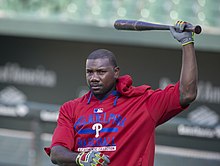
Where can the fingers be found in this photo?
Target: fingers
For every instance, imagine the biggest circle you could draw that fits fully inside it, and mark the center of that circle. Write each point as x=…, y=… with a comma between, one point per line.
x=98, y=158
x=172, y=29
x=102, y=159
x=106, y=158
x=181, y=25
x=92, y=158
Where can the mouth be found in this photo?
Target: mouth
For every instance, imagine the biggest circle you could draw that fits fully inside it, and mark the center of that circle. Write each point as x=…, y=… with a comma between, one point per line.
x=95, y=87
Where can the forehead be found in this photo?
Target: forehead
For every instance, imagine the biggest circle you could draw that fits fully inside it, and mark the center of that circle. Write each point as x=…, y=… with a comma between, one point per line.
x=98, y=63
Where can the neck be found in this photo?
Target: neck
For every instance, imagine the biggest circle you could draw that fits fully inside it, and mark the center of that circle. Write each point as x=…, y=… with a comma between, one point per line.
x=104, y=96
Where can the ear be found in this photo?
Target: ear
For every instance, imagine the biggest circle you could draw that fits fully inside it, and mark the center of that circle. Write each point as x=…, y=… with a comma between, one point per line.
x=117, y=71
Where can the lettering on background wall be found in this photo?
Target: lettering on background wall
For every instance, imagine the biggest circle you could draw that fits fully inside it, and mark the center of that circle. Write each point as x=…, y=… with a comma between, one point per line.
x=19, y=110
x=206, y=91
x=197, y=131
x=49, y=116
x=14, y=73
x=204, y=123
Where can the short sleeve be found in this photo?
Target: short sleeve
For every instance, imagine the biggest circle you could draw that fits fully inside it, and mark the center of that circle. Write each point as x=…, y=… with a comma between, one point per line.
x=63, y=134
x=165, y=104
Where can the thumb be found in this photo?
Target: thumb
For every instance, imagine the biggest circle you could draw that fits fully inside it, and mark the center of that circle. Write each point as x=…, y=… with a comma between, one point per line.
x=172, y=30
x=106, y=158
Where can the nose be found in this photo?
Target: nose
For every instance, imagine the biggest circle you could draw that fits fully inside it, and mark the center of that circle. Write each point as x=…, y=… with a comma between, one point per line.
x=94, y=77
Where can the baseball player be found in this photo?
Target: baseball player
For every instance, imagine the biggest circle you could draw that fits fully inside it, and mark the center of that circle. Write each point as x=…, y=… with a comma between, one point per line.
x=114, y=123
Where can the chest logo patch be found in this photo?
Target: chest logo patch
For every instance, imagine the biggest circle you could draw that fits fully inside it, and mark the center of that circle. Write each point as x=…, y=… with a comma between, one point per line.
x=98, y=110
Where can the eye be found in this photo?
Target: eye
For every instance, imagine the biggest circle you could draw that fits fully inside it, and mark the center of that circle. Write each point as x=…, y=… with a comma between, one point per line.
x=101, y=72
x=88, y=71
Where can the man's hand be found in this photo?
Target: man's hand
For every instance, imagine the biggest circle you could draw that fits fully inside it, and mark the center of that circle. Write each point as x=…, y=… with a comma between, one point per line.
x=178, y=33
x=92, y=158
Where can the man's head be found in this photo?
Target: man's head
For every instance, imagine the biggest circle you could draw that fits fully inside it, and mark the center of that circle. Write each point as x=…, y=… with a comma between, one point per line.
x=101, y=72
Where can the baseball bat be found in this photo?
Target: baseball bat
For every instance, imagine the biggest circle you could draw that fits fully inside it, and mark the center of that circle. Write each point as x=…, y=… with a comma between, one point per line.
x=135, y=25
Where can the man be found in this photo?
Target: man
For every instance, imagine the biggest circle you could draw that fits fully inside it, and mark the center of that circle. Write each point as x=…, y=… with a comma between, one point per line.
x=114, y=123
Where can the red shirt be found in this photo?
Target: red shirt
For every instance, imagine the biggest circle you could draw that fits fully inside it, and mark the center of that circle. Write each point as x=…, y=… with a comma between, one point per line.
x=121, y=126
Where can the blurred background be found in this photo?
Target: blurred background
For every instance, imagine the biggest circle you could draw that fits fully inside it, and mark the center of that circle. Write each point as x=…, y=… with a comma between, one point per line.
x=43, y=46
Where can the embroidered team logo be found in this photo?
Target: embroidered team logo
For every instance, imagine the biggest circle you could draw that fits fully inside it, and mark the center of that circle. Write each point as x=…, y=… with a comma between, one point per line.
x=98, y=110
x=97, y=127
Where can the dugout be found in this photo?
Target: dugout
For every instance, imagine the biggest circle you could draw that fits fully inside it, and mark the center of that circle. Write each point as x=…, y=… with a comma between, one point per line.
x=42, y=66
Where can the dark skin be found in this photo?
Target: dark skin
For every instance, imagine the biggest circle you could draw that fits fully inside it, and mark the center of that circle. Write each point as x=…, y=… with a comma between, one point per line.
x=188, y=76
x=101, y=77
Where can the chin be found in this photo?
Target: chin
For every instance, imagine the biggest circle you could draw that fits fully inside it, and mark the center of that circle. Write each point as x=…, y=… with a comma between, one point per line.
x=97, y=92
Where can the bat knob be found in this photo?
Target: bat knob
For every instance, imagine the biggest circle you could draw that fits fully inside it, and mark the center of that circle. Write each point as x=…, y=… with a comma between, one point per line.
x=198, y=29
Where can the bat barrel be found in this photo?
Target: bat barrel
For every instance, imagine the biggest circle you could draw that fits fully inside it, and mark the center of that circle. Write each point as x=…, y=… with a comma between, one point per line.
x=135, y=25
x=138, y=25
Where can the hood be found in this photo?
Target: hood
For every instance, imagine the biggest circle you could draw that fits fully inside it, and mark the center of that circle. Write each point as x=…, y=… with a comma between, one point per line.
x=125, y=88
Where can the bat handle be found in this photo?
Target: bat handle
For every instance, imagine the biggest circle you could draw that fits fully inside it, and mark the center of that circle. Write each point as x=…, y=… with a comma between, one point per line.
x=196, y=29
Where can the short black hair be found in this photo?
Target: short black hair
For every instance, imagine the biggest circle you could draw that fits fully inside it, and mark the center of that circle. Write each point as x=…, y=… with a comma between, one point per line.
x=104, y=53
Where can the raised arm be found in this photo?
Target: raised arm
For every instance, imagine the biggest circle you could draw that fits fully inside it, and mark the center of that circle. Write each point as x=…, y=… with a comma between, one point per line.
x=189, y=70
x=189, y=75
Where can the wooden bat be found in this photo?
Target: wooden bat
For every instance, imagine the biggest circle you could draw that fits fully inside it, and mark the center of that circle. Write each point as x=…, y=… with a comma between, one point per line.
x=135, y=25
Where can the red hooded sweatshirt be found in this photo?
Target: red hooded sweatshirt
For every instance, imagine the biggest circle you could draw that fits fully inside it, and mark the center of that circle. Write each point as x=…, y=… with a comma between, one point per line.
x=121, y=126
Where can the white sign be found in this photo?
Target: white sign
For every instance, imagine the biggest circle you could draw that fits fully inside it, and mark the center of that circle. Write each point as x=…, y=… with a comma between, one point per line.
x=14, y=73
